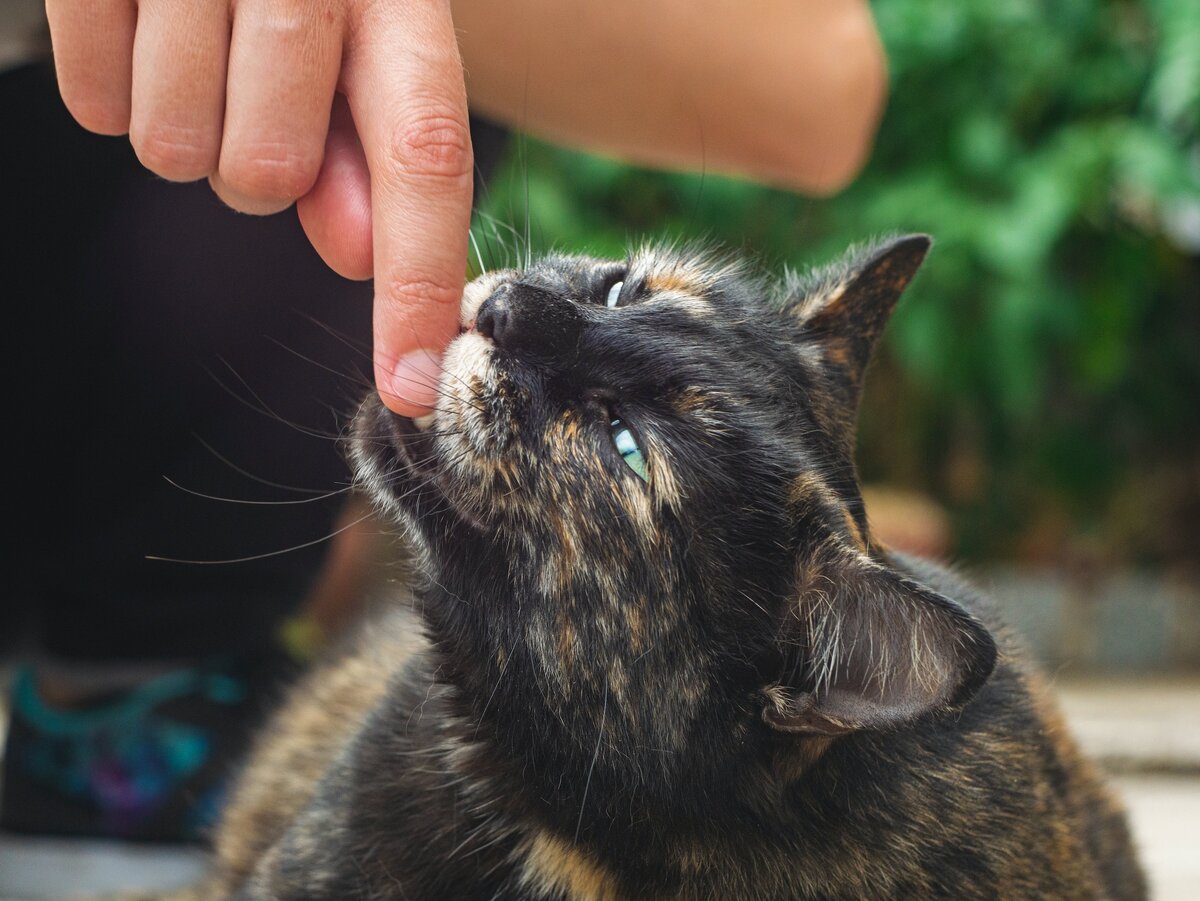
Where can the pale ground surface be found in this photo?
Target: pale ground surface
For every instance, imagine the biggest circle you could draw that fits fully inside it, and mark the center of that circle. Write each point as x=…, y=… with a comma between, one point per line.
x=1146, y=729
x=1149, y=731
x=1143, y=724
x=1166, y=823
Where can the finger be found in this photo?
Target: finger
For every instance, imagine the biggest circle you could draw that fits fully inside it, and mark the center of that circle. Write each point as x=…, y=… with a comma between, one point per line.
x=283, y=66
x=179, y=57
x=404, y=82
x=93, y=56
x=336, y=213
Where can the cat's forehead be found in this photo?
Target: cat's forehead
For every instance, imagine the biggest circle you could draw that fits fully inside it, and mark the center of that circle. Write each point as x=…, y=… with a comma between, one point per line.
x=688, y=271
x=694, y=271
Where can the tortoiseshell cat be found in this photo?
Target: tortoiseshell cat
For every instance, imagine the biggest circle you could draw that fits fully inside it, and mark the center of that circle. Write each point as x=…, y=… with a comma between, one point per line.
x=664, y=656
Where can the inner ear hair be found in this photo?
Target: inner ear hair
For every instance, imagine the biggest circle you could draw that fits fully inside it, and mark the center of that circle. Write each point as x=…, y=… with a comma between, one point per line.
x=879, y=649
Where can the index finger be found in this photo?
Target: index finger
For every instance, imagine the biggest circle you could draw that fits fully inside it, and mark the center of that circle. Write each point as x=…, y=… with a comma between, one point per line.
x=404, y=83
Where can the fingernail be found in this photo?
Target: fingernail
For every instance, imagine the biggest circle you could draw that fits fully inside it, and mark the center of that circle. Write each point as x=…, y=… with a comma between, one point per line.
x=416, y=376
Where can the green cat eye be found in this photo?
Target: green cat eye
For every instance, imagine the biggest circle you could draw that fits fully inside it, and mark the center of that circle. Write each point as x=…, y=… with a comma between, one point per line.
x=627, y=447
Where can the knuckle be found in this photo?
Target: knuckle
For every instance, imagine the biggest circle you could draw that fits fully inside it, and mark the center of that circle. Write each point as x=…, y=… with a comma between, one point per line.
x=175, y=152
x=270, y=170
x=407, y=290
x=286, y=23
x=433, y=145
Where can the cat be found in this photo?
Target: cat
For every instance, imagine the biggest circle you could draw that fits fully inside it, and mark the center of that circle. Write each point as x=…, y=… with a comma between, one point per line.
x=660, y=653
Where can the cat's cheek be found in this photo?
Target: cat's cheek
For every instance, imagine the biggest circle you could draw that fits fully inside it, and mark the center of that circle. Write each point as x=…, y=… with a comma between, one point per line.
x=470, y=354
x=469, y=372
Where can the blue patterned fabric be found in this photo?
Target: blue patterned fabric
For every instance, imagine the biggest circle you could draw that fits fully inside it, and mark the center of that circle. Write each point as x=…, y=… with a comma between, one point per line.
x=123, y=762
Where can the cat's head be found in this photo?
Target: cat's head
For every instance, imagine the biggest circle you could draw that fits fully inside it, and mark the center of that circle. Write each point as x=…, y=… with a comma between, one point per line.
x=639, y=507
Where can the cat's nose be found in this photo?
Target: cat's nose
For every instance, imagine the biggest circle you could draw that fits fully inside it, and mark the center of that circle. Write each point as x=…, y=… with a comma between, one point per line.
x=527, y=319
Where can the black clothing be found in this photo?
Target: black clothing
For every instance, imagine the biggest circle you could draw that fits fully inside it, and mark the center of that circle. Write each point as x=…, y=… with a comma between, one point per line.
x=146, y=323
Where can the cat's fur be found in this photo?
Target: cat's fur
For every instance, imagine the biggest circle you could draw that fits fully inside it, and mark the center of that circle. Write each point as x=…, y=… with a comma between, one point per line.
x=709, y=684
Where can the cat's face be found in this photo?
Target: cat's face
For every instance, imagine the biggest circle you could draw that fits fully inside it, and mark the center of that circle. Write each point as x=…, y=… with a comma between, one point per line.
x=615, y=440
x=635, y=473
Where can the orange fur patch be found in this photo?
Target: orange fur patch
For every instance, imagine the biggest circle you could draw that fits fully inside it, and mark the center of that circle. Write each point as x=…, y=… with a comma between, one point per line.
x=673, y=281
x=552, y=865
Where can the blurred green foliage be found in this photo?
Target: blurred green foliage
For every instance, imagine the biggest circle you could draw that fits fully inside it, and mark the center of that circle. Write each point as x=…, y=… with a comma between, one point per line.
x=1042, y=378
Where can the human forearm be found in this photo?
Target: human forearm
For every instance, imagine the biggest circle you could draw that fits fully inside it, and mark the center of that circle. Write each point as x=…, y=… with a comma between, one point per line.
x=785, y=92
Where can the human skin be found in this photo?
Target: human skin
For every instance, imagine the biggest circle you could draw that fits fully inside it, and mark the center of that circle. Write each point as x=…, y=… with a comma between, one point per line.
x=356, y=111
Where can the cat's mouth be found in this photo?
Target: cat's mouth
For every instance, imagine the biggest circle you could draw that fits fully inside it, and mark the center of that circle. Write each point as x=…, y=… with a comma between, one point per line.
x=389, y=451
x=449, y=454
x=413, y=439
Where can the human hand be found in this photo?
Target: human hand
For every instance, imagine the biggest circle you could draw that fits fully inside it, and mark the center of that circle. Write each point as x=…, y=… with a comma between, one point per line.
x=243, y=93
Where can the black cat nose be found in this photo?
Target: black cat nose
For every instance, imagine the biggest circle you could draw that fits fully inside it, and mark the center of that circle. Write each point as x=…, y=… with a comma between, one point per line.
x=492, y=317
x=524, y=318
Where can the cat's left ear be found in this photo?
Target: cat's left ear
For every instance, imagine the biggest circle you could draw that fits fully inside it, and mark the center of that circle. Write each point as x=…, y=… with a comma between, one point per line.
x=879, y=649
x=845, y=307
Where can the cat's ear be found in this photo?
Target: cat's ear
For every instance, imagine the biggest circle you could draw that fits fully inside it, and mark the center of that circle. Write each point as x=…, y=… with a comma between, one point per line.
x=879, y=649
x=845, y=307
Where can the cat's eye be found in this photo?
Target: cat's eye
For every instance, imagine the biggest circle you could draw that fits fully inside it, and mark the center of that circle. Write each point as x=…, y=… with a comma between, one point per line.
x=614, y=294
x=628, y=448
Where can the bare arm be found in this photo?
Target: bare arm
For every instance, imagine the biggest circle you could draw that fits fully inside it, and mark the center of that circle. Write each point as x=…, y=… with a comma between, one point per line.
x=785, y=91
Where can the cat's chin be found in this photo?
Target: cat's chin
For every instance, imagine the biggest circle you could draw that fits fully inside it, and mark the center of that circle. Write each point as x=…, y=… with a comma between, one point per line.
x=389, y=454
x=394, y=459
